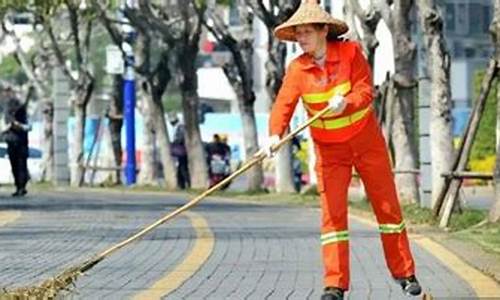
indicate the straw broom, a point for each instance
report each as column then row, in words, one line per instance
column 51, row 287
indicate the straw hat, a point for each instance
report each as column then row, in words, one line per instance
column 309, row 12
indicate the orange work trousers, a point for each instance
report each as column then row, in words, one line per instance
column 367, row 152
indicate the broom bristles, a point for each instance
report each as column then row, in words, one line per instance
column 51, row 287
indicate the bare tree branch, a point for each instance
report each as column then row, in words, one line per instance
column 58, row 52
column 109, row 24
column 145, row 18
column 87, row 39
column 261, row 12
column 200, row 12
column 384, row 7
column 74, row 20
column 23, row 61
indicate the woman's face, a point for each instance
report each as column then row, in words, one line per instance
column 310, row 37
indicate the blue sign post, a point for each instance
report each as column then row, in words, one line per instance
column 129, row 97
column 129, row 115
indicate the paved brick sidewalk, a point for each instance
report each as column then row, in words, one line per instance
column 260, row 252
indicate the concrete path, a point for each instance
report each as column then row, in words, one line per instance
column 222, row 250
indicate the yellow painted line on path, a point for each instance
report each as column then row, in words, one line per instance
column 7, row 217
column 198, row 255
column 483, row 286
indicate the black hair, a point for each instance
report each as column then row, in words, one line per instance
column 331, row 36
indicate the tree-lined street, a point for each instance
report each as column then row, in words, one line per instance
column 103, row 101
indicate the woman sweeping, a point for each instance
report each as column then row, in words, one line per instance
column 335, row 73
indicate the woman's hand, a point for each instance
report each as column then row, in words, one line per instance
column 337, row 104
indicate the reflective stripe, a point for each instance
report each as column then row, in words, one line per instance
column 313, row 98
column 392, row 228
column 313, row 112
column 334, row 237
column 341, row 122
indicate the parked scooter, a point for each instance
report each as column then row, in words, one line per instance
column 219, row 160
column 219, row 169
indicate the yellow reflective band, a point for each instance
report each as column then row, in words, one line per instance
column 340, row 89
column 334, row 237
column 312, row 112
column 341, row 122
column 392, row 228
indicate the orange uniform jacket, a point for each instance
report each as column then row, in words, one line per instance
column 345, row 72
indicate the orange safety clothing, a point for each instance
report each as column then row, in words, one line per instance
column 351, row 139
column 367, row 153
column 346, row 72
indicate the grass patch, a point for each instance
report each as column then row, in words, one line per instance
column 466, row 219
column 413, row 214
column 417, row 215
column 486, row 236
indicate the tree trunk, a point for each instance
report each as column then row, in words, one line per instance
column 78, row 140
column 438, row 62
column 246, row 98
column 387, row 111
column 147, row 169
column 494, row 215
column 369, row 20
column 190, row 102
column 403, row 128
column 168, row 164
column 284, row 171
column 250, row 138
column 275, row 67
column 115, row 118
column 404, row 159
column 48, row 142
column 196, row 154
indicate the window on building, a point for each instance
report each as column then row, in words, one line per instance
column 487, row 18
column 470, row 52
column 449, row 15
column 476, row 18
column 458, row 50
column 462, row 24
column 486, row 52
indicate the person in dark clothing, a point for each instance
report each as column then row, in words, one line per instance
column 218, row 159
column 16, row 137
column 179, row 152
column 219, row 146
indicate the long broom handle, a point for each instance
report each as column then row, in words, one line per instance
column 250, row 163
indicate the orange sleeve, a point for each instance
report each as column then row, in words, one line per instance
column 285, row 103
column 361, row 94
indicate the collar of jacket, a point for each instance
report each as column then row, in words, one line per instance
column 332, row 55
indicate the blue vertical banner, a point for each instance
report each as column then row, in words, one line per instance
column 129, row 115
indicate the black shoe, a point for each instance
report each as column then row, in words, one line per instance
column 410, row 285
column 19, row 193
column 333, row 293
